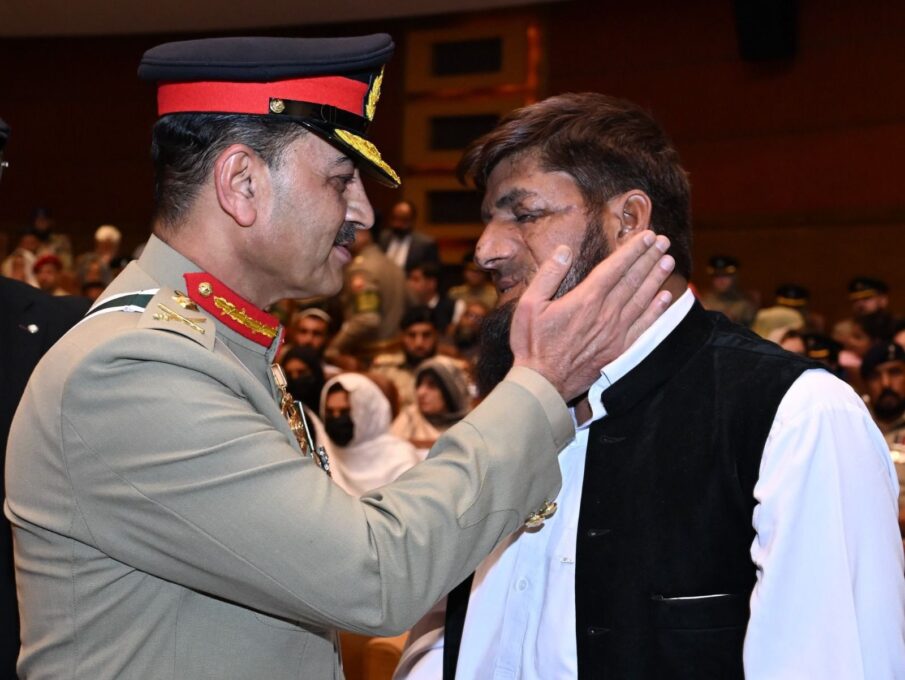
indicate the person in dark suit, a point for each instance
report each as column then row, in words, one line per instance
column 402, row 244
column 728, row 509
column 30, row 322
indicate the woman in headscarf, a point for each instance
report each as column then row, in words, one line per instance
column 304, row 381
column 365, row 455
column 442, row 399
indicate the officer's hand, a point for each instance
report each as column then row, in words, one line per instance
column 570, row 339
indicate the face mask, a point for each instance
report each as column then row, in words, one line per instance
column 341, row 429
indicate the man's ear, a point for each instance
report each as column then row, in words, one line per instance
column 632, row 210
column 237, row 180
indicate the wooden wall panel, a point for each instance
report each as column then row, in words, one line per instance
column 796, row 167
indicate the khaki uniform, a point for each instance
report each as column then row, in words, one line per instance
column 167, row 525
column 373, row 302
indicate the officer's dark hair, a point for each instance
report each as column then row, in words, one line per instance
column 609, row 146
column 418, row 314
column 184, row 147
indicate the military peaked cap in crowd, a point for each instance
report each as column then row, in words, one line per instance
column 329, row 85
column 880, row 354
column 863, row 287
column 792, row 295
column 822, row 348
column 722, row 265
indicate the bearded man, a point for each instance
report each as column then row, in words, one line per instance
column 171, row 518
column 728, row 509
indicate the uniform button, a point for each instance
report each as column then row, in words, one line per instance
column 522, row 584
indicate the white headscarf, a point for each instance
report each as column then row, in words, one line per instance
column 374, row 457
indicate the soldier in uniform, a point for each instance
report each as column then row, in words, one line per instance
column 171, row 519
column 373, row 300
column 868, row 295
column 724, row 295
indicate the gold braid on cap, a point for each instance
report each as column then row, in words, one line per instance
column 373, row 96
column 368, row 150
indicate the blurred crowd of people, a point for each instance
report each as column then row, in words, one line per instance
column 414, row 339
column 43, row 257
column 865, row 349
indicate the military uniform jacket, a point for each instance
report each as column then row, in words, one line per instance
column 373, row 301
column 168, row 526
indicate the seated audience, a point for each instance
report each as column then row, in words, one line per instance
column 304, row 381
column 883, row 371
column 19, row 266
column 373, row 297
column 96, row 264
column 423, row 284
column 402, row 243
column 724, row 294
column 442, row 398
column 466, row 333
column 364, row 454
column 477, row 285
column 793, row 341
column 867, row 295
column 420, row 340
column 789, row 313
column 310, row 327
column 48, row 269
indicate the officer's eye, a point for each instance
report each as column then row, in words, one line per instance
column 343, row 181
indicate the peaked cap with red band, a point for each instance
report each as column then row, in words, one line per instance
column 329, row 85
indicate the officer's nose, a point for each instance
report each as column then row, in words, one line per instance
column 358, row 207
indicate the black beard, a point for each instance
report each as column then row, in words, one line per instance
column 464, row 338
column 496, row 358
column 889, row 406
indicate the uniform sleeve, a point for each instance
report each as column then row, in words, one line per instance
column 830, row 597
column 177, row 475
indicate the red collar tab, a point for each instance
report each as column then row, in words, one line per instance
column 254, row 98
column 234, row 311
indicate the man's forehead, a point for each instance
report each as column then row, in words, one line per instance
column 886, row 367
column 522, row 178
column 316, row 152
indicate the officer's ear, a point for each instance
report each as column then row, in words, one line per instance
column 628, row 213
column 237, row 180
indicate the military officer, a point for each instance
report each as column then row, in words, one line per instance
column 171, row 520
column 373, row 300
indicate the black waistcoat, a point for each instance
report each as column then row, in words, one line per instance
column 667, row 503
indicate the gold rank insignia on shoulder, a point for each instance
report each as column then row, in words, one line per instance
column 536, row 519
column 167, row 314
column 184, row 301
column 294, row 414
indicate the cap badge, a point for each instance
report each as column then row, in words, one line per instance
column 374, row 96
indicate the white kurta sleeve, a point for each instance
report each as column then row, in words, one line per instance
column 830, row 595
